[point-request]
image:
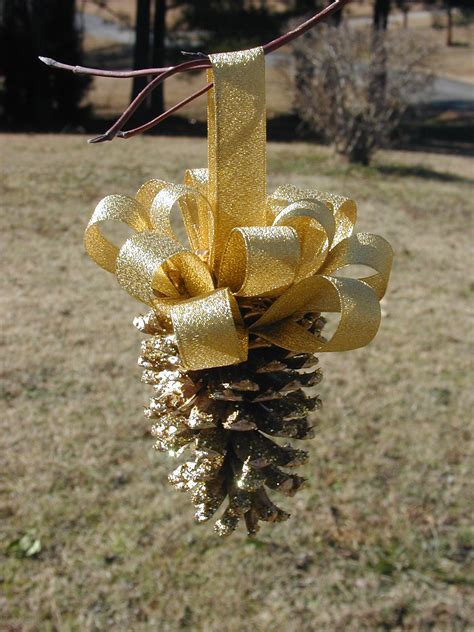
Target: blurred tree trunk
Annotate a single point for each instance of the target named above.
(141, 51)
(158, 53)
(378, 82)
(33, 95)
(449, 30)
(336, 18)
(380, 15)
(404, 8)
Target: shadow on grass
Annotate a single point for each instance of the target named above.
(420, 171)
(442, 129)
(284, 128)
(453, 134)
(311, 161)
(460, 44)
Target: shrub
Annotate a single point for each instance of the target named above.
(353, 86)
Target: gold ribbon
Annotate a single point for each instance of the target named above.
(289, 246)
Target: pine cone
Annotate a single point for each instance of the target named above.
(229, 417)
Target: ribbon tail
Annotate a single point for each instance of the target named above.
(236, 142)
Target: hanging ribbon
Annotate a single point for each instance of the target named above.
(289, 246)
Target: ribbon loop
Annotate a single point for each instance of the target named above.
(367, 250)
(195, 210)
(145, 264)
(148, 191)
(314, 223)
(260, 261)
(115, 208)
(356, 301)
(140, 266)
(209, 331)
(198, 179)
(343, 209)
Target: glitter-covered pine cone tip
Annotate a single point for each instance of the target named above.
(229, 420)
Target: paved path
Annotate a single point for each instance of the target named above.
(451, 94)
(96, 27)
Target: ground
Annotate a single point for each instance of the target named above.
(93, 537)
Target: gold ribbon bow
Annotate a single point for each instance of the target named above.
(288, 246)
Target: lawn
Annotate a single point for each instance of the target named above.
(92, 537)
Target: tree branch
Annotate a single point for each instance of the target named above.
(157, 120)
(161, 74)
(100, 72)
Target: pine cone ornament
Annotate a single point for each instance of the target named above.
(236, 307)
(228, 422)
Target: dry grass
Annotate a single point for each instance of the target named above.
(379, 540)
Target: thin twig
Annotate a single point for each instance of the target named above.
(100, 72)
(286, 38)
(161, 74)
(156, 121)
(141, 96)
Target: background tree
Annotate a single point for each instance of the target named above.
(404, 7)
(31, 94)
(141, 48)
(158, 53)
(464, 7)
(305, 6)
(149, 50)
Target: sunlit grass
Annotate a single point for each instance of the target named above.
(379, 539)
